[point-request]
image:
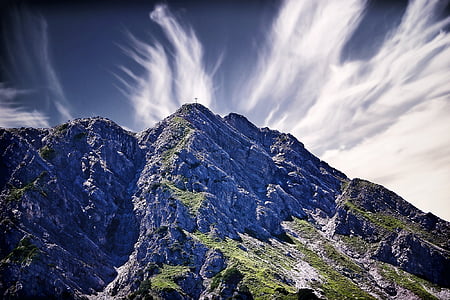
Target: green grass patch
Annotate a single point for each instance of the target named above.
(61, 129)
(357, 244)
(25, 252)
(344, 185)
(16, 193)
(336, 285)
(182, 122)
(388, 222)
(181, 129)
(192, 200)
(308, 232)
(47, 153)
(305, 229)
(406, 280)
(165, 280)
(340, 259)
(260, 266)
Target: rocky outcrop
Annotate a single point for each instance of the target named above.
(415, 256)
(205, 207)
(406, 237)
(69, 200)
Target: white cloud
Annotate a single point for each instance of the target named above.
(412, 157)
(356, 113)
(29, 66)
(16, 117)
(151, 93)
(362, 98)
(53, 83)
(11, 116)
(306, 38)
(364, 116)
(165, 85)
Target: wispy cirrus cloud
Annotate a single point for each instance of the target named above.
(362, 98)
(368, 116)
(171, 76)
(13, 116)
(56, 91)
(306, 38)
(38, 94)
(411, 157)
(366, 113)
(300, 81)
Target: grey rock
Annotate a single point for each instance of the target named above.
(198, 206)
(416, 256)
(214, 263)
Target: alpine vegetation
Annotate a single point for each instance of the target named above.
(202, 207)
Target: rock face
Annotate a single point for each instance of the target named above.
(202, 207)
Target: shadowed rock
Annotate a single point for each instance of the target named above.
(205, 207)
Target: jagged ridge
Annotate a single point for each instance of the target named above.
(202, 207)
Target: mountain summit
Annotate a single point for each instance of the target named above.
(203, 207)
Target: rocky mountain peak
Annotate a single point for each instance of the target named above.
(202, 207)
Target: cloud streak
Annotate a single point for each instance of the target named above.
(362, 98)
(369, 117)
(29, 67)
(53, 83)
(411, 157)
(306, 38)
(13, 116)
(384, 118)
(171, 76)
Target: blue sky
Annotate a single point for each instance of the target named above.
(364, 84)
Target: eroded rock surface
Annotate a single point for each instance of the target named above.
(205, 207)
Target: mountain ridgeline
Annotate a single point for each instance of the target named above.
(202, 207)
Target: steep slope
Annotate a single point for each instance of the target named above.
(202, 207)
(66, 213)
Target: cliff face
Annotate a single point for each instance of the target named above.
(202, 207)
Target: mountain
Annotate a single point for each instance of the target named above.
(205, 207)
